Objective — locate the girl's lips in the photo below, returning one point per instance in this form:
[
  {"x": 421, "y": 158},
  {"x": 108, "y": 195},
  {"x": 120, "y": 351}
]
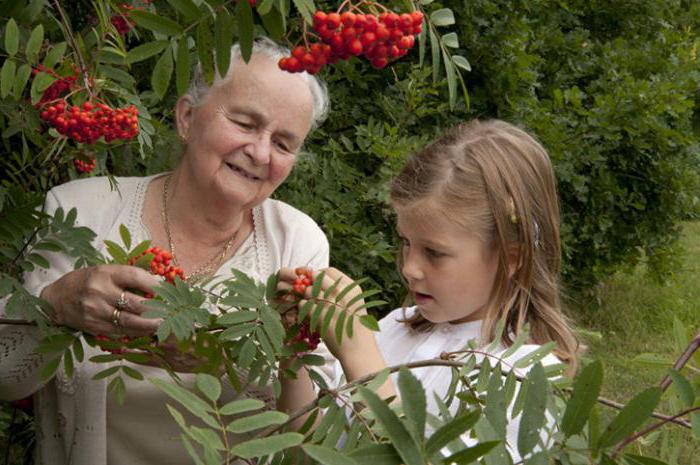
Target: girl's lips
[{"x": 422, "y": 298}]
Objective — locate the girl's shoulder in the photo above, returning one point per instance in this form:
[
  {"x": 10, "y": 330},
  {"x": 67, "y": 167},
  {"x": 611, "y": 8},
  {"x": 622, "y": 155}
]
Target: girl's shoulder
[{"x": 393, "y": 321}]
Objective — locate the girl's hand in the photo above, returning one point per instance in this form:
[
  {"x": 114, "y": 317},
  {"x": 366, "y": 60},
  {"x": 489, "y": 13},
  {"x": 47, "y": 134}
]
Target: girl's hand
[
  {"x": 86, "y": 299},
  {"x": 348, "y": 347}
]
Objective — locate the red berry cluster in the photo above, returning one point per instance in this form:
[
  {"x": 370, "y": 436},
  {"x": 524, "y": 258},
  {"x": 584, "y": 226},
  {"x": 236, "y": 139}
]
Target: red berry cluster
[
  {"x": 301, "y": 336},
  {"x": 114, "y": 346},
  {"x": 57, "y": 88},
  {"x": 84, "y": 166},
  {"x": 90, "y": 122},
  {"x": 121, "y": 20},
  {"x": 380, "y": 39},
  {"x": 161, "y": 264}
]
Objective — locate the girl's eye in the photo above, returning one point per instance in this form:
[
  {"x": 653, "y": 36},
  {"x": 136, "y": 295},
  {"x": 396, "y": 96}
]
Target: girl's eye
[{"x": 432, "y": 253}]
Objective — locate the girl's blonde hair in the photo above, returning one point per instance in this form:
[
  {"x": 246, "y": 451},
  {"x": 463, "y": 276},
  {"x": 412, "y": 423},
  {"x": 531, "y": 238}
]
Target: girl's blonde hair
[{"x": 497, "y": 181}]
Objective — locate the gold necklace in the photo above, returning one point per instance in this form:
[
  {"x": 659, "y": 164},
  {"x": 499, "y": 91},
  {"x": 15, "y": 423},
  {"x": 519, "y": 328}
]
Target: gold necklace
[{"x": 212, "y": 264}]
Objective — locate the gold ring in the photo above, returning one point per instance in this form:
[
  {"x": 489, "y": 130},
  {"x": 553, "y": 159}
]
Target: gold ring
[{"x": 116, "y": 314}]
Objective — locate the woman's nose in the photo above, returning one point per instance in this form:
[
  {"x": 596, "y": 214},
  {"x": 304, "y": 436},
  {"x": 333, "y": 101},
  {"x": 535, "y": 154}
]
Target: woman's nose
[{"x": 258, "y": 149}]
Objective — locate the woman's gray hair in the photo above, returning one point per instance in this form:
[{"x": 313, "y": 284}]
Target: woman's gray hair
[{"x": 262, "y": 45}]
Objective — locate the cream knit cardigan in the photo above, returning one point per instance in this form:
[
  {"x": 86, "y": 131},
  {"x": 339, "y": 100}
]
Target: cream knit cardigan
[{"x": 71, "y": 413}]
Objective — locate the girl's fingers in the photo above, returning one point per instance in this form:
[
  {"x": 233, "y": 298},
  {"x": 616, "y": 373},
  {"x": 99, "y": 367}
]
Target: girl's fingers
[{"x": 286, "y": 275}]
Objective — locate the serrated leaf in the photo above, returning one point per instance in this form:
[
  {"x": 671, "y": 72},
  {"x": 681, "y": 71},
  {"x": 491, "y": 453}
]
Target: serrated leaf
[
  {"x": 209, "y": 386},
  {"x": 273, "y": 22},
  {"x": 632, "y": 416},
  {"x": 328, "y": 456},
  {"x": 235, "y": 332},
  {"x": 188, "y": 400},
  {"x": 118, "y": 254},
  {"x": 442, "y": 17},
  {"x": 368, "y": 321},
  {"x": 155, "y": 23},
  {"x": 435, "y": 54},
  {"x": 413, "y": 402},
  {"x": 162, "y": 72},
  {"x": 267, "y": 446},
  {"x": 105, "y": 373},
  {"x": 132, "y": 373},
  {"x": 536, "y": 355},
  {"x": 533, "y": 417},
  {"x": 125, "y": 236},
  {"x": 49, "y": 369},
  {"x": 31, "y": 51},
  {"x": 305, "y": 10},
  {"x": 376, "y": 454},
  {"x": 204, "y": 46},
  {"x": 7, "y": 77},
  {"x": 587, "y": 387},
  {"x": 11, "y": 37},
  {"x": 246, "y": 29},
  {"x": 257, "y": 421},
  {"x": 187, "y": 8},
  {"x": 145, "y": 51},
  {"x": 241, "y": 406},
  {"x": 395, "y": 429},
  {"x": 633, "y": 459}
]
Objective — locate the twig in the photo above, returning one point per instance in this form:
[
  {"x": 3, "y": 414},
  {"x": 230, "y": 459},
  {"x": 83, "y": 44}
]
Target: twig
[
  {"x": 12, "y": 321},
  {"x": 74, "y": 44},
  {"x": 622, "y": 444},
  {"x": 682, "y": 360}
]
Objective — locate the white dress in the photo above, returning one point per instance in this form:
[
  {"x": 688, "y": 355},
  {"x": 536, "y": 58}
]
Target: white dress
[
  {"x": 399, "y": 344},
  {"x": 72, "y": 413}
]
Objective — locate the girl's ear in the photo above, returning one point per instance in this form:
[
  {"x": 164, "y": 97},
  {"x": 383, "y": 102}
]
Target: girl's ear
[
  {"x": 514, "y": 260},
  {"x": 183, "y": 116}
]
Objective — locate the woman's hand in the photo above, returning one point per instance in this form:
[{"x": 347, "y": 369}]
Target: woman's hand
[
  {"x": 361, "y": 335},
  {"x": 87, "y": 300}
]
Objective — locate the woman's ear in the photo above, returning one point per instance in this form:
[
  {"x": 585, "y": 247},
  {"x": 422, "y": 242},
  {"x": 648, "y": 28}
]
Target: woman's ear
[{"x": 183, "y": 116}]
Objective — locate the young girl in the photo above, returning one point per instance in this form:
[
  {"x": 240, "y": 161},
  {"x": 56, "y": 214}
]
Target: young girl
[{"x": 478, "y": 215}]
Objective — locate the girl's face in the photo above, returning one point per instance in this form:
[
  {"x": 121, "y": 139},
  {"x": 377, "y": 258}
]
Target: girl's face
[{"x": 449, "y": 271}]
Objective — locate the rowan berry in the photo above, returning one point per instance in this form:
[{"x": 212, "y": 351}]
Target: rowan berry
[{"x": 333, "y": 21}]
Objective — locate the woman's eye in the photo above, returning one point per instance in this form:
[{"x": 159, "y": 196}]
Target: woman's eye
[
  {"x": 282, "y": 146},
  {"x": 244, "y": 124}
]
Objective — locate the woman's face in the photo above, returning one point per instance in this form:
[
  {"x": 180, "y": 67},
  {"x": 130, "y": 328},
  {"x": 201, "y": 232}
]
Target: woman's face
[{"x": 242, "y": 140}]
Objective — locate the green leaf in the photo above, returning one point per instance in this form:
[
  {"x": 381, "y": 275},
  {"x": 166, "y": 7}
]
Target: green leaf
[
  {"x": 246, "y": 30},
  {"x": 7, "y": 77},
  {"x": 586, "y": 390},
  {"x": 50, "y": 368},
  {"x": 241, "y": 406},
  {"x": 118, "y": 389},
  {"x": 21, "y": 79},
  {"x": 267, "y": 446},
  {"x": 162, "y": 72},
  {"x": 273, "y": 23},
  {"x": 462, "y": 62},
  {"x": 632, "y": 416},
  {"x": 106, "y": 373},
  {"x": 470, "y": 454},
  {"x": 536, "y": 355},
  {"x": 145, "y": 51},
  {"x": 533, "y": 418},
  {"x": 132, "y": 373},
  {"x": 125, "y": 236},
  {"x": 442, "y": 17},
  {"x": 683, "y": 388},
  {"x": 235, "y": 332},
  {"x": 116, "y": 251},
  {"x": 328, "y": 456},
  {"x": 11, "y": 37},
  {"x": 205, "y": 47},
  {"x": 236, "y": 317},
  {"x": 640, "y": 460},
  {"x": 306, "y": 9},
  {"x": 451, "y": 40},
  {"x": 451, "y": 431},
  {"x": 451, "y": 75},
  {"x": 435, "y": 54},
  {"x": 368, "y": 321},
  {"x": 209, "y": 386},
  {"x": 155, "y": 23},
  {"x": 188, "y": 400},
  {"x": 223, "y": 38},
  {"x": 376, "y": 454},
  {"x": 34, "y": 44},
  {"x": 395, "y": 429},
  {"x": 413, "y": 402},
  {"x": 182, "y": 67},
  {"x": 187, "y": 8},
  {"x": 257, "y": 421},
  {"x": 55, "y": 54}
]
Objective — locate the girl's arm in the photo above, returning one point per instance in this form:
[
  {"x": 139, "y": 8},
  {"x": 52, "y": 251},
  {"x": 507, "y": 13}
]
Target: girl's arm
[{"x": 358, "y": 356}]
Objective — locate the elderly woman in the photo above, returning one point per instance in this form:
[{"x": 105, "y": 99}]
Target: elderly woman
[{"x": 213, "y": 213}]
